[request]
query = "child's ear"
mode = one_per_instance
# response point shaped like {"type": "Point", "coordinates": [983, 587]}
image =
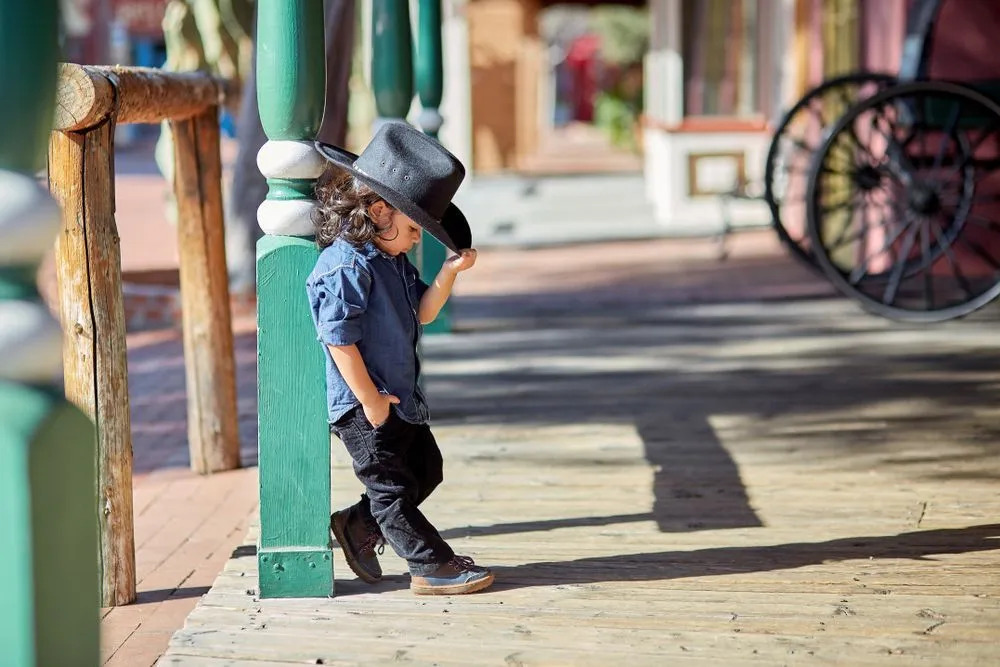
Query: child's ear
{"type": "Point", "coordinates": [379, 212]}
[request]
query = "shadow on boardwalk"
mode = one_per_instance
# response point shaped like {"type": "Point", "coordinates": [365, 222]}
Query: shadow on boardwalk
{"type": "Point", "coordinates": [666, 565]}
{"type": "Point", "coordinates": [668, 369]}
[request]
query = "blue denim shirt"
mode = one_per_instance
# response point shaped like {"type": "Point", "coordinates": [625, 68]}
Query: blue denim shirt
{"type": "Point", "coordinates": [364, 296]}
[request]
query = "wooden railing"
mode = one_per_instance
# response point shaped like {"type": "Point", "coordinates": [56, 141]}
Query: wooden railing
{"type": "Point", "coordinates": [91, 101]}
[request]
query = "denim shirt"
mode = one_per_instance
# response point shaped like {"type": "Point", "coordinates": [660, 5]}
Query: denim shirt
{"type": "Point", "coordinates": [364, 296]}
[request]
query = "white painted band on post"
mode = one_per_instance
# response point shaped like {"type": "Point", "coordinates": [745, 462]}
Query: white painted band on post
{"type": "Point", "coordinates": [286, 217]}
{"type": "Point", "coordinates": [430, 120]}
{"type": "Point", "coordinates": [29, 220]}
{"type": "Point", "coordinates": [30, 343]}
{"type": "Point", "coordinates": [290, 159]}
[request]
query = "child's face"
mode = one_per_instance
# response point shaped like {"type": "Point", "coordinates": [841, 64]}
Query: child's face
{"type": "Point", "coordinates": [399, 233]}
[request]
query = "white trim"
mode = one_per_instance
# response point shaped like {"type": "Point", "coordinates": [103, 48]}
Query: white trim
{"type": "Point", "coordinates": [456, 100]}
{"type": "Point", "coordinates": [786, 65]}
{"type": "Point", "coordinates": [29, 220]}
{"type": "Point", "coordinates": [286, 217]}
{"type": "Point", "coordinates": [673, 64]}
{"type": "Point", "coordinates": [30, 343]}
{"type": "Point", "coordinates": [290, 159]}
{"type": "Point", "coordinates": [430, 120]}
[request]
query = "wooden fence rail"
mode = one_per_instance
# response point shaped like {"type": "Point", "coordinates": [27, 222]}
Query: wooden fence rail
{"type": "Point", "coordinates": [91, 101]}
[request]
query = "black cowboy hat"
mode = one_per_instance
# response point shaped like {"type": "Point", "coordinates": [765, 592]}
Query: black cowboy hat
{"type": "Point", "coordinates": [413, 173]}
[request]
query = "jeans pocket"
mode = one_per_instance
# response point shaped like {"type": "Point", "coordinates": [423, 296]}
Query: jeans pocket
{"type": "Point", "coordinates": [357, 435]}
{"type": "Point", "coordinates": [366, 426]}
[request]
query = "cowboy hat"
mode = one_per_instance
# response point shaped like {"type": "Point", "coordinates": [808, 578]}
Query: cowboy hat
{"type": "Point", "coordinates": [414, 174]}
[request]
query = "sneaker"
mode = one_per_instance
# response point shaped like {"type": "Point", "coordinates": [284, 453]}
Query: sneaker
{"type": "Point", "coordinates": [457, 576]}
{"type": "Point", "coordinates": [360, 543]}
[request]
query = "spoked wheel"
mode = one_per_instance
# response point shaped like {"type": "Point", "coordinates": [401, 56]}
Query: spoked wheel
{"type": "Point", "coordinates": [904, 202]}
{"type": "Point", "coordinates": [796, 140]}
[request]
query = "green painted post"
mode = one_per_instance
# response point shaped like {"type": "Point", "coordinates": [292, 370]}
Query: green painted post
{"type": "Point", "coordinates": [293, 553]}
{"type": "Point", "coordinates": [429, 68]}
{"type": "Point", "coordinates": [48, 515]}
{"type": "Point", "coordinates": [430, 85]}
{"type": "Point", "coordinates": [392, 81]}
{"type": "Point", "coordinates": [392, 58]}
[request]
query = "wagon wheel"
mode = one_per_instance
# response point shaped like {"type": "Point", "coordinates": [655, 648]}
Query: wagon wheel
{"type": "Point", "coordinates": [904, 202]}
{"type": "Point", "coordinates": [796, 139]}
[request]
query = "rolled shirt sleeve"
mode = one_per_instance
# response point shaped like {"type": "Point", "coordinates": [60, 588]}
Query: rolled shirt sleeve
{"type": "Point", "coordinates": [338, 299]}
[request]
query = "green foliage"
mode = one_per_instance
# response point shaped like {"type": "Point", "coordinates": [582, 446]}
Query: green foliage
{"type": "Point", "coordinates": [617, 117]}
{"type": "Point", "coordinates": [624, 33]}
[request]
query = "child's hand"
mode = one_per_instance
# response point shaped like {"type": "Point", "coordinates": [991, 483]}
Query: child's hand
{"type": "Point", "coordinates": [377, 412]}
{"type": "Point", "coordinates": [462, 262]}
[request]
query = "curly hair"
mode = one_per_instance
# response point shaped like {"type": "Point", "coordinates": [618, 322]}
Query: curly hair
{"type": "Point", "coordinates": [342, 210]}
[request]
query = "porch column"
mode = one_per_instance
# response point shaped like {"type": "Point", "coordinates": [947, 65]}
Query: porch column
{"type": "Point", "coordinates": [293, 551]}
{"type": "Point", "coordinates": [392, 82]}
{"type": "Point", "coordinates": [392, 60]}
{"type": "Point", "coordinates": [430, 86]}
{"type": "Point", "coordinates": [664, 101]}
{"type": "Point", "coordinates": [48, 514]}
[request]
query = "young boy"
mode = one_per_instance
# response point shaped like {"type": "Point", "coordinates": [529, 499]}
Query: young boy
{"type": "Point", "coordinates": [369, 303]}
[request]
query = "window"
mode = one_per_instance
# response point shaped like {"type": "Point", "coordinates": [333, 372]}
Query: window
{"type": "Point", "coordinates": [720, 42]}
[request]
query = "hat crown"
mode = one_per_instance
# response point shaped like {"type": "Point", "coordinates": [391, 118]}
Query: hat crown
{"type": "Point", "coordinates": [414, 165]}
{"type": "Point", "coordinates": [414, 174]}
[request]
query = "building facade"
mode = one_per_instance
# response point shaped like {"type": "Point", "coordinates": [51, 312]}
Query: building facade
{"type": "Point", "coordinates": [717, 75]}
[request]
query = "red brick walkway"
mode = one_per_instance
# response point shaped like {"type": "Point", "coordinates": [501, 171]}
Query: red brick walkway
{"type": "Point", "coordinates": [186, 525]}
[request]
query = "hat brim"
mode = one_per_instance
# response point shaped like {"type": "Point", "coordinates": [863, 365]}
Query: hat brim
{"type": "Point", "coordinates": [452, 229]}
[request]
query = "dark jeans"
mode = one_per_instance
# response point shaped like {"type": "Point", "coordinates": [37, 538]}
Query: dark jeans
{"type": "Point", "coordinates": [400, 464]}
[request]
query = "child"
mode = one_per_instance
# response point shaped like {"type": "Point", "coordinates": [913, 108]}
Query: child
{"type": "Point", "coordinates": [368, 304]}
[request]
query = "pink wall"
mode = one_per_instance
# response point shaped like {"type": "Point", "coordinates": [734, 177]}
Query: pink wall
{"type": "Point", "coordinates": [883, 27]}
{"type": "Point", "coordinates": [966, 40]}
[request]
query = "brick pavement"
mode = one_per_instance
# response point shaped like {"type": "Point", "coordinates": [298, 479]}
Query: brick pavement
{"type": "Point", "coordinates": [186, 525]}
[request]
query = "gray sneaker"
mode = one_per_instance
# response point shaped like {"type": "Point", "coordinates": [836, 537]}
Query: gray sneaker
{"type": "Point", "coordinates": [360, 543]}
{"type": "Point", "coordinates": [458, 576]}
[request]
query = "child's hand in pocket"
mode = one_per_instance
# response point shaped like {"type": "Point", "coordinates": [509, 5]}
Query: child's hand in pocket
{"type": "Point", "coordinates": [377, 412]}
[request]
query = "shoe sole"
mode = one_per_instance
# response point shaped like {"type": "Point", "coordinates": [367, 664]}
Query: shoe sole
{"type": "Point", "coordinates": [338, 532]}
{"type": "Point", "coordinates": [454, 589]}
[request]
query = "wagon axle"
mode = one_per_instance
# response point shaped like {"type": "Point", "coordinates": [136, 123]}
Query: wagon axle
{"type": "Point", "coordinates": [924, 200]}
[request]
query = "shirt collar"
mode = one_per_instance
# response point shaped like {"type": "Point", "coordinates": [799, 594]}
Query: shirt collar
{"type": "Point", "coordinates": [371, 251]}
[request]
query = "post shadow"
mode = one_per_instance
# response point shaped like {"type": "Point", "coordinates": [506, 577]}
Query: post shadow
{"type": "Point", "coordinates": [667, 565]}
{"type": "Point", "coordinates": [696, 483]}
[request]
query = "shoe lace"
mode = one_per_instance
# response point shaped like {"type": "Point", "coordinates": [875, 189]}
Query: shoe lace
{"type": "Point", "coordinates": [462, 563]}
{"type": "Point", "coordinates": [374, 542]}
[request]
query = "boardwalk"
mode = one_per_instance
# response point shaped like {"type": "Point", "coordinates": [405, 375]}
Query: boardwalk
{"type": "Point", "coordinates": [665, 461]}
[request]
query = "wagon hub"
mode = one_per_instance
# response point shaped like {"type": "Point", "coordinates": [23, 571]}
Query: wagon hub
{"type": "Point", "coordinates": [923, 200]}
{"type": "Point", "coordinates": [867, 178]}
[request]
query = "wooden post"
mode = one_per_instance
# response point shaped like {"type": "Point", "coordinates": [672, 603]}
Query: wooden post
{"type": "Point", "coordinates": [88, 97]}
{"type": "Point", "coordinates": [88, 262]}
{"type": "Point", "coordinates": [49, 614]}
{"type": "Point", "coordinates": [294, 556]}
{"type": "Point", "coordinates": [213, 435]}
{"type": "Point", "coordinates": [431, 253]}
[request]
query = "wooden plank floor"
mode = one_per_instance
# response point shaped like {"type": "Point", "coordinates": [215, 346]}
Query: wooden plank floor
{"type": "Point", "coordinates": [785, 482]}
